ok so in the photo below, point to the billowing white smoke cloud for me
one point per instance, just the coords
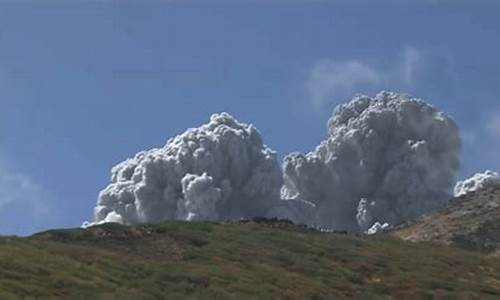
(477, 182)
(386, 159)
(218, 171)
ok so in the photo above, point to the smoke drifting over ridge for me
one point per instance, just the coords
(387, 159)
(477, 182)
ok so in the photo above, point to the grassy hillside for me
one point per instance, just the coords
(178, 260)
(471, 222)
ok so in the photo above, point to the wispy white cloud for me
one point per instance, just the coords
(330, 77)
(482, 142)
(23, 202)
(331, 80)
(492, 126)
(486, 131)
(15, 188)
(411, 58)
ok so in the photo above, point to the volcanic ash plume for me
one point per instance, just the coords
(386, 159)
(477, 182)
(218, 171)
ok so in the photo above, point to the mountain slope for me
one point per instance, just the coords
(176, 260)
(471, 221)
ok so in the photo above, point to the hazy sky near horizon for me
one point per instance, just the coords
(87, 84)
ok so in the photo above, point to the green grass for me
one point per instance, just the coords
(177, 260)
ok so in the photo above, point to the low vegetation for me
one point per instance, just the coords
(470, 222)
(177, 260)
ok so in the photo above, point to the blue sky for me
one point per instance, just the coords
(84, 85)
